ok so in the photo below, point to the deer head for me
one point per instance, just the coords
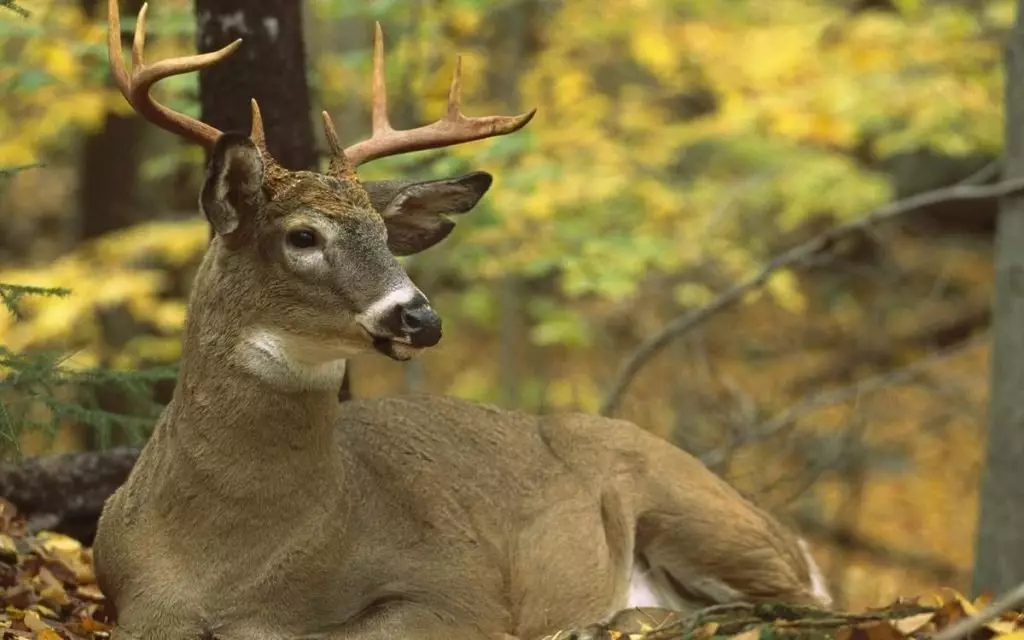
(303, 263)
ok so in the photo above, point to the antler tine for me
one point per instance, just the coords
(381, 124)
(454, 128)
(339, 167)
(135, 86)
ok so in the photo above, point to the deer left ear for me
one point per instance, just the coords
(416, 214)
(233, 189)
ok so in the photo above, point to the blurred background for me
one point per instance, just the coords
(678, 146)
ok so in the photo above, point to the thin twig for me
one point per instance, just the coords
(687, 321)
(966, 626)
(832, 397)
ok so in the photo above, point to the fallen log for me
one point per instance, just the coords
(65, 492)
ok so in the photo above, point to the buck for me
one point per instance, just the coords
(262, 509)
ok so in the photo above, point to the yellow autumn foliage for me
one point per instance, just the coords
(672, 138)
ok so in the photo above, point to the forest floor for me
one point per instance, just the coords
(49, 592)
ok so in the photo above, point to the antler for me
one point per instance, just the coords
(454, 128)
(135, 87)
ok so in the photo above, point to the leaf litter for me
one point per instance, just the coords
(47, 584)
(49, 592)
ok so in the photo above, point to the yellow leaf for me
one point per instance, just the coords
(1002, 628)
(909, 625)
(34, 622)
(58, 542)
(749, 634)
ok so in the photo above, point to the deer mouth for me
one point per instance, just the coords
(396, 350)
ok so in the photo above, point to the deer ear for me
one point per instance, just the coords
(416, 213)
(233, 187)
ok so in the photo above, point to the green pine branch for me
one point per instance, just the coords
(28, 379)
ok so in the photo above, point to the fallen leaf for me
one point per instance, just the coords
(909, 625)
(46, 612)
(984, 599)
(749, 634)
(706, 630)
(90, 591)
(57, 542)
(34, 622)
(1002, 627)
(968, 608)
(91, 624)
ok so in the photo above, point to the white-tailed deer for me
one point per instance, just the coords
(262, 509)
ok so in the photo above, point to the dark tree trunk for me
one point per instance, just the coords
(108, 173)
(999, 548)
(270, 67)
(110, 158)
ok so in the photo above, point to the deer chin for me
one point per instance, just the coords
(396, 350)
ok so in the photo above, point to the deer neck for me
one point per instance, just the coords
(240, 404)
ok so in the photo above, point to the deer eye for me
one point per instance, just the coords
(302, 238)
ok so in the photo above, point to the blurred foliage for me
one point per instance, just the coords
(672, 134)
(655, 147)
(42, 389)
(53, 70)
(677, 145)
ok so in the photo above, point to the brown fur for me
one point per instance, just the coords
(262, 510)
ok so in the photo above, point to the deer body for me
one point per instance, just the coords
(261, 509)
(287, 515)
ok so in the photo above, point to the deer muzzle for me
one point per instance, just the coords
(402, 323)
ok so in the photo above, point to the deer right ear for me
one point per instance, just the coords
(233, 188)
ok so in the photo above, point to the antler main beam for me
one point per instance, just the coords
(454, 128)
(135, 86)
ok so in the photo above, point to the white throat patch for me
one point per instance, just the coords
(292, 362)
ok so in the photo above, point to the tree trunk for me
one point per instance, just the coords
(999, 546)
(110, 159)
(270, 67)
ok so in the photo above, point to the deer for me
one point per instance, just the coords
(261, 508)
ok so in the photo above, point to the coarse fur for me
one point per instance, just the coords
(262, 509)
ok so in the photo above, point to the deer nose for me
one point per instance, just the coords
(415, 321)
(421, 324)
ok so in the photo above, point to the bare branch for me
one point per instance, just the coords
(832, 397)
(687, 321)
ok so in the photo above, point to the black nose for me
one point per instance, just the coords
(420, 323)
